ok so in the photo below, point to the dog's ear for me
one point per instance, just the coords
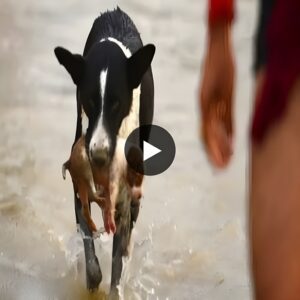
(139, 63)
(74, 63)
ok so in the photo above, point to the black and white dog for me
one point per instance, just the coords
(115, 95)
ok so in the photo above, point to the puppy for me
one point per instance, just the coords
(81, 172)
(85, 175)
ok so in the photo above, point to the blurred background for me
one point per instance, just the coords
(190, 241)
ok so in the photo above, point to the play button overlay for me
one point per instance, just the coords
(150, 150)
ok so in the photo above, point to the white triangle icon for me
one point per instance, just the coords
(149, 150)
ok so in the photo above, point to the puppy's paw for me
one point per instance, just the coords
(109, 222)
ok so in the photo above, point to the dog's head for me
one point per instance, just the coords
(105, 80)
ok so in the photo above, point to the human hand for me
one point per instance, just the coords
(215, 96)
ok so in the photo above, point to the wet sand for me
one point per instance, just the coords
(190, 241)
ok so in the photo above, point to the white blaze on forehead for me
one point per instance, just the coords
(103, 77)
(99, 138)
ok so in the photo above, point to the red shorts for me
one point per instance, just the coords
(282, 66)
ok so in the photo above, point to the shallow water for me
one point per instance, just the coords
(190, 240)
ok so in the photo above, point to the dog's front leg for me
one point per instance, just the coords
(93, 271)
(121, 239)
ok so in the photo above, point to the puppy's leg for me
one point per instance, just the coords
(83, 195)
(111, 206)
(108, 215)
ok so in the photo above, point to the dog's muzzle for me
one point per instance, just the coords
(100, 156)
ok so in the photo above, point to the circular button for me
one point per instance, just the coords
(150, 150)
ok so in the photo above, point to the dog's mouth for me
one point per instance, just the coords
(100, 160)
(100, 157)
